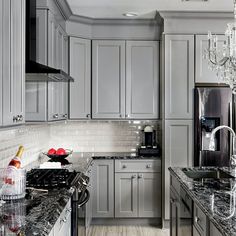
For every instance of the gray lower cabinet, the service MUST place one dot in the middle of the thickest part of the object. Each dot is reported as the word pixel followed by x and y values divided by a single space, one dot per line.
pixel 137 194
pixel 179 76
pixel 108 79
pixel 126 195
pixel 142 79
pixel 103 189
pixel 202 72
pixel 13 61
pixel 80 70
pixel 178 152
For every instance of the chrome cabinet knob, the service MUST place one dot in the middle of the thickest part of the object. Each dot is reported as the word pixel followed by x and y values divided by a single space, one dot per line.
pixel 88 115
pixel 55 116
pixel 69 210
pixel 65 116
pixel 197 219
pixel 148 166
pixel 14 118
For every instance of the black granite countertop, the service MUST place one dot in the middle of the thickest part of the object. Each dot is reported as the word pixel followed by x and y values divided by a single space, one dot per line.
pixel 37 216
pixel 216 197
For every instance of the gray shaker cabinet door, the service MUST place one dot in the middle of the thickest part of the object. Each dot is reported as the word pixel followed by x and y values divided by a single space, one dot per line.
pixel 80 70
pixel 1 58
pixel 179 76
pixel 142 79
pixel 108 79
pixel 203 73
pixel 14 61
pixel 149 187
pixel 103 189
pixel 178 152
pixel 126 195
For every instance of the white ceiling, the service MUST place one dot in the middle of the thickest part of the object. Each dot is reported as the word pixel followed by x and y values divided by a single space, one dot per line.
pixel 145 8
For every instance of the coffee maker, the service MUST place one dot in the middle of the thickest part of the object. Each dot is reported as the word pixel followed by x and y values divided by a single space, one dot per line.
pixel 149 146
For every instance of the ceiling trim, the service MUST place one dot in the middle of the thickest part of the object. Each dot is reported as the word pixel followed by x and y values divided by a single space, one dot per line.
pixel 64 8
pixel 93 21
pixel 195 15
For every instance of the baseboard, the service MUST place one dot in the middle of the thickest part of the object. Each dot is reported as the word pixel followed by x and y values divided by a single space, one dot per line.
pixel 127 221
pixel 165 224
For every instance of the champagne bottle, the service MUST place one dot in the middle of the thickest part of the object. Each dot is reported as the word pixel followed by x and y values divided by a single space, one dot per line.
pixel 16 161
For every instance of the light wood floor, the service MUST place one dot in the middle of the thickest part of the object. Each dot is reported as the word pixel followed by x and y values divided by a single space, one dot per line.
pixel 127 231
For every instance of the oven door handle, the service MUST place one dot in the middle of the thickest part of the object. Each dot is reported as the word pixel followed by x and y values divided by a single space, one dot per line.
pixel 80 204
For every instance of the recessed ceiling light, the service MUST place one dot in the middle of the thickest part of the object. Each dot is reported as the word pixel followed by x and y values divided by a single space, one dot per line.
pixel 130 14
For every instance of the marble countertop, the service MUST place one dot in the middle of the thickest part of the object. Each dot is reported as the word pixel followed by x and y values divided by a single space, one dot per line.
pixel 216 197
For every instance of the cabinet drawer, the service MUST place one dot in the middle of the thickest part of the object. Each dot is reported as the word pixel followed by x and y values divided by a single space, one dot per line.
pixel 200 221
pixel 137 165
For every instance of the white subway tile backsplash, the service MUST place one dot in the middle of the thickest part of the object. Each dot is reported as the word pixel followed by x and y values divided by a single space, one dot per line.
pixel 81 136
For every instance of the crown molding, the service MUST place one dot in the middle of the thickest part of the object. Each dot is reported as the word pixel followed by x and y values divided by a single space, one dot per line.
pixel 195 15
pixel 64 8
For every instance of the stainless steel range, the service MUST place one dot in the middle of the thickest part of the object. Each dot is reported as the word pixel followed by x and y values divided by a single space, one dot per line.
pixel 63 178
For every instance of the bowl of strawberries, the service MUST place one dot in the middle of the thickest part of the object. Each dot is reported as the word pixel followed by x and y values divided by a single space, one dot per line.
pixel 59 153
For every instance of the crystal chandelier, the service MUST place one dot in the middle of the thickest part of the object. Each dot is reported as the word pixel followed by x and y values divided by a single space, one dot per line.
pixel 223 61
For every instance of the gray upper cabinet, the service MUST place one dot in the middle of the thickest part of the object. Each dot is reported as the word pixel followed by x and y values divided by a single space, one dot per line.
pixel 142 83
pixel 203 73
pixel 149 185
pixel 179 76
pixel 48 101
pixel 13 64
pixel 103 189
pixel 108 80
pixel 80 70
pixel 126 195
pixel 178 151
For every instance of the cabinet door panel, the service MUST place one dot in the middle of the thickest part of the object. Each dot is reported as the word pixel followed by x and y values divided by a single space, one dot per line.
pixel 149 185
pixel 103 191
pixel 203 73
pixel 36 101
pixel 80 70
pixel 1 58
pixel 142 83
pixel 126 195
pixel 14 57
pixel 179 76
pixel 108 79
pixel 53 101
pixel 52 40
pixel 178 150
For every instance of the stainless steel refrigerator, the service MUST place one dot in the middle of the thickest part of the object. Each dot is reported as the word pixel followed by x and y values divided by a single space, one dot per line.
pixel 212 107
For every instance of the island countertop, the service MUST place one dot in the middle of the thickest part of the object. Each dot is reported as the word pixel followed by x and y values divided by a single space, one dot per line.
pixel 213 196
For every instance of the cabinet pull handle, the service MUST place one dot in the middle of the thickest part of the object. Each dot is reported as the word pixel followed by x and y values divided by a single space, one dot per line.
pixel 14 119
pixel 55 116
pixel 148 166
pixel 140 176
pixel 197 219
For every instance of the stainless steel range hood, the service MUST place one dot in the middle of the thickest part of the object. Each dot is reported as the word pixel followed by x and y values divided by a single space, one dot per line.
pixel 36 72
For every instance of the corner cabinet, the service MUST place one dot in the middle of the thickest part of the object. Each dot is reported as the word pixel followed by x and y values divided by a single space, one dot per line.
pixel 12 80
pixel 80 70
pixel 125 79
pixel 179 76
pixel 108 81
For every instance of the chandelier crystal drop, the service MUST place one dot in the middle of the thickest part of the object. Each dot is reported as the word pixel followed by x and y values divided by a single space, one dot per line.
pixel 223 60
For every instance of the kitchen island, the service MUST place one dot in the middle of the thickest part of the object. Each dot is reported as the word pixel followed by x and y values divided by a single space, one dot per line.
pixel 214 197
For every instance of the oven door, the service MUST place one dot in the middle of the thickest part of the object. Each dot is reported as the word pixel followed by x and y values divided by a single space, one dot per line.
pixel 81 214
